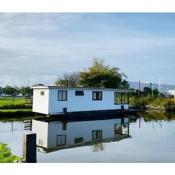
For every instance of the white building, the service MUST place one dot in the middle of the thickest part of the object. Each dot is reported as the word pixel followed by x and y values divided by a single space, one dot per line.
pixel 52 100
pixel 56 135
pixel 172 93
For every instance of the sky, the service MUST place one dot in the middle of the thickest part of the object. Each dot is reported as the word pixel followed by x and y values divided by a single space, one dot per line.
pixel 41 47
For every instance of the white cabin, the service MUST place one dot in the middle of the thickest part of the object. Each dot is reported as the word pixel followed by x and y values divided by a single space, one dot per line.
pixel 56 135
pixel 52 100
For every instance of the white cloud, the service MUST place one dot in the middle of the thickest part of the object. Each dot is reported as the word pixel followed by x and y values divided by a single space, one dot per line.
pixel 44 46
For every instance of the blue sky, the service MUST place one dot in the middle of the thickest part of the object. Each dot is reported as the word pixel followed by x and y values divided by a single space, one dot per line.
pixel 41 47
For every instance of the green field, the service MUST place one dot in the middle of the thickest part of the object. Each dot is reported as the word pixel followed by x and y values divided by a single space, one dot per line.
pixel 6 155
pixel 12 101
pixel 15 107
pixel 15 103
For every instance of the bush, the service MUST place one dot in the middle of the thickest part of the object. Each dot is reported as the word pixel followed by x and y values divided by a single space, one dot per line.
pixel 170 105
pixel 6 156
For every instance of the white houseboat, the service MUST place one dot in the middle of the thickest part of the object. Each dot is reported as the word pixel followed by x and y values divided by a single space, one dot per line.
pixel 53 100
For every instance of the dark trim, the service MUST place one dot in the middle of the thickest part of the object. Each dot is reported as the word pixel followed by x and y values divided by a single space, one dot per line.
pixel 100 99
pixel 62 95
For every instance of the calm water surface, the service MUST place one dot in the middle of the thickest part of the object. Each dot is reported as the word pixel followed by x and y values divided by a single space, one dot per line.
pixel 151 141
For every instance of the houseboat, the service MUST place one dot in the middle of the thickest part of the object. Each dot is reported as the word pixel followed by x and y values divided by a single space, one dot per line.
pixel 53 100
pixel 54 135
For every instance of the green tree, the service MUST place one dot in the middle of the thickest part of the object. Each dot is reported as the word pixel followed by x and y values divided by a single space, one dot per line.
pixel 155 93
pixel 8 90
pixel 26 91
pixel 100 75
pixel 69 80
pixel 124 84
pixel 147 91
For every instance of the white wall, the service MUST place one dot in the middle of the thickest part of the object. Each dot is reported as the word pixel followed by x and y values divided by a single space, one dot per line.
pixel 40 102
pixel 81 103
pixel 41 129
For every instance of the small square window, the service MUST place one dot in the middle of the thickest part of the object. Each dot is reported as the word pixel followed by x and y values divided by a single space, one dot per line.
pixel 97 135
pixel 62 95
pixel 96 95
pixel 78 140
pixel 42 93
pixel 79 93
pixel 61 140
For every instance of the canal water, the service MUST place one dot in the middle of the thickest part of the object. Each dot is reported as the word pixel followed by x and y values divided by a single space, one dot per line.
pixel 142 139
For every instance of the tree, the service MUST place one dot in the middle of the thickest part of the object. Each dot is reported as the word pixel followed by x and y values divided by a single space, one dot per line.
pixel 26 91
pixel 155 93
pixel 147 91
pixel 8 90
pixel 124 84
pixel 38 84
pixel 69 80
pixel 99 75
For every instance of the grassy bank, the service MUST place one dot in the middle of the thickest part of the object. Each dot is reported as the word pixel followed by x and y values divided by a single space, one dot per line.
pixel 6 156
pixel 15 112
pixel 15 107
pixel 165 104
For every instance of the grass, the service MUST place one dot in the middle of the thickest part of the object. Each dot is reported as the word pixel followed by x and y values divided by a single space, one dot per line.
pixel 15 107
pixel 157 103
pixel 6 156
pixel 12 101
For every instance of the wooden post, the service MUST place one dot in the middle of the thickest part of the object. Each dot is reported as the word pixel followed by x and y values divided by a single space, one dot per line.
pixel 29 148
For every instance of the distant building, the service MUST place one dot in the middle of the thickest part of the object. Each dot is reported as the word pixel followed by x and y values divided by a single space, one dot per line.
pixel 172 93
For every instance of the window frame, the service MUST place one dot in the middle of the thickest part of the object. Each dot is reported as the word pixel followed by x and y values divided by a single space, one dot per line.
pixel 61 91
pixel 81 94
pixel 97 133
pixel 95 99
pixel 120 95
pixel 62 137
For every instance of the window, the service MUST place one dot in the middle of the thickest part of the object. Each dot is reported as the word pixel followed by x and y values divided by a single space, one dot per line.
pixel 78 140
pixel 61 140
pixel 97 135
pixel 62 95
pixel 41 93
pixel 121 98
pixel 125 98
pixel 117 98
pixel 96 95
pixel 79 93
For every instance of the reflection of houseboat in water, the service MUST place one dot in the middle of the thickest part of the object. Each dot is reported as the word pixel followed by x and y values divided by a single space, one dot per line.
pixel 55 135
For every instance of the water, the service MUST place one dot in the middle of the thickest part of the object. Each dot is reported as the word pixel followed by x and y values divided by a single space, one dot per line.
pixel 142 140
